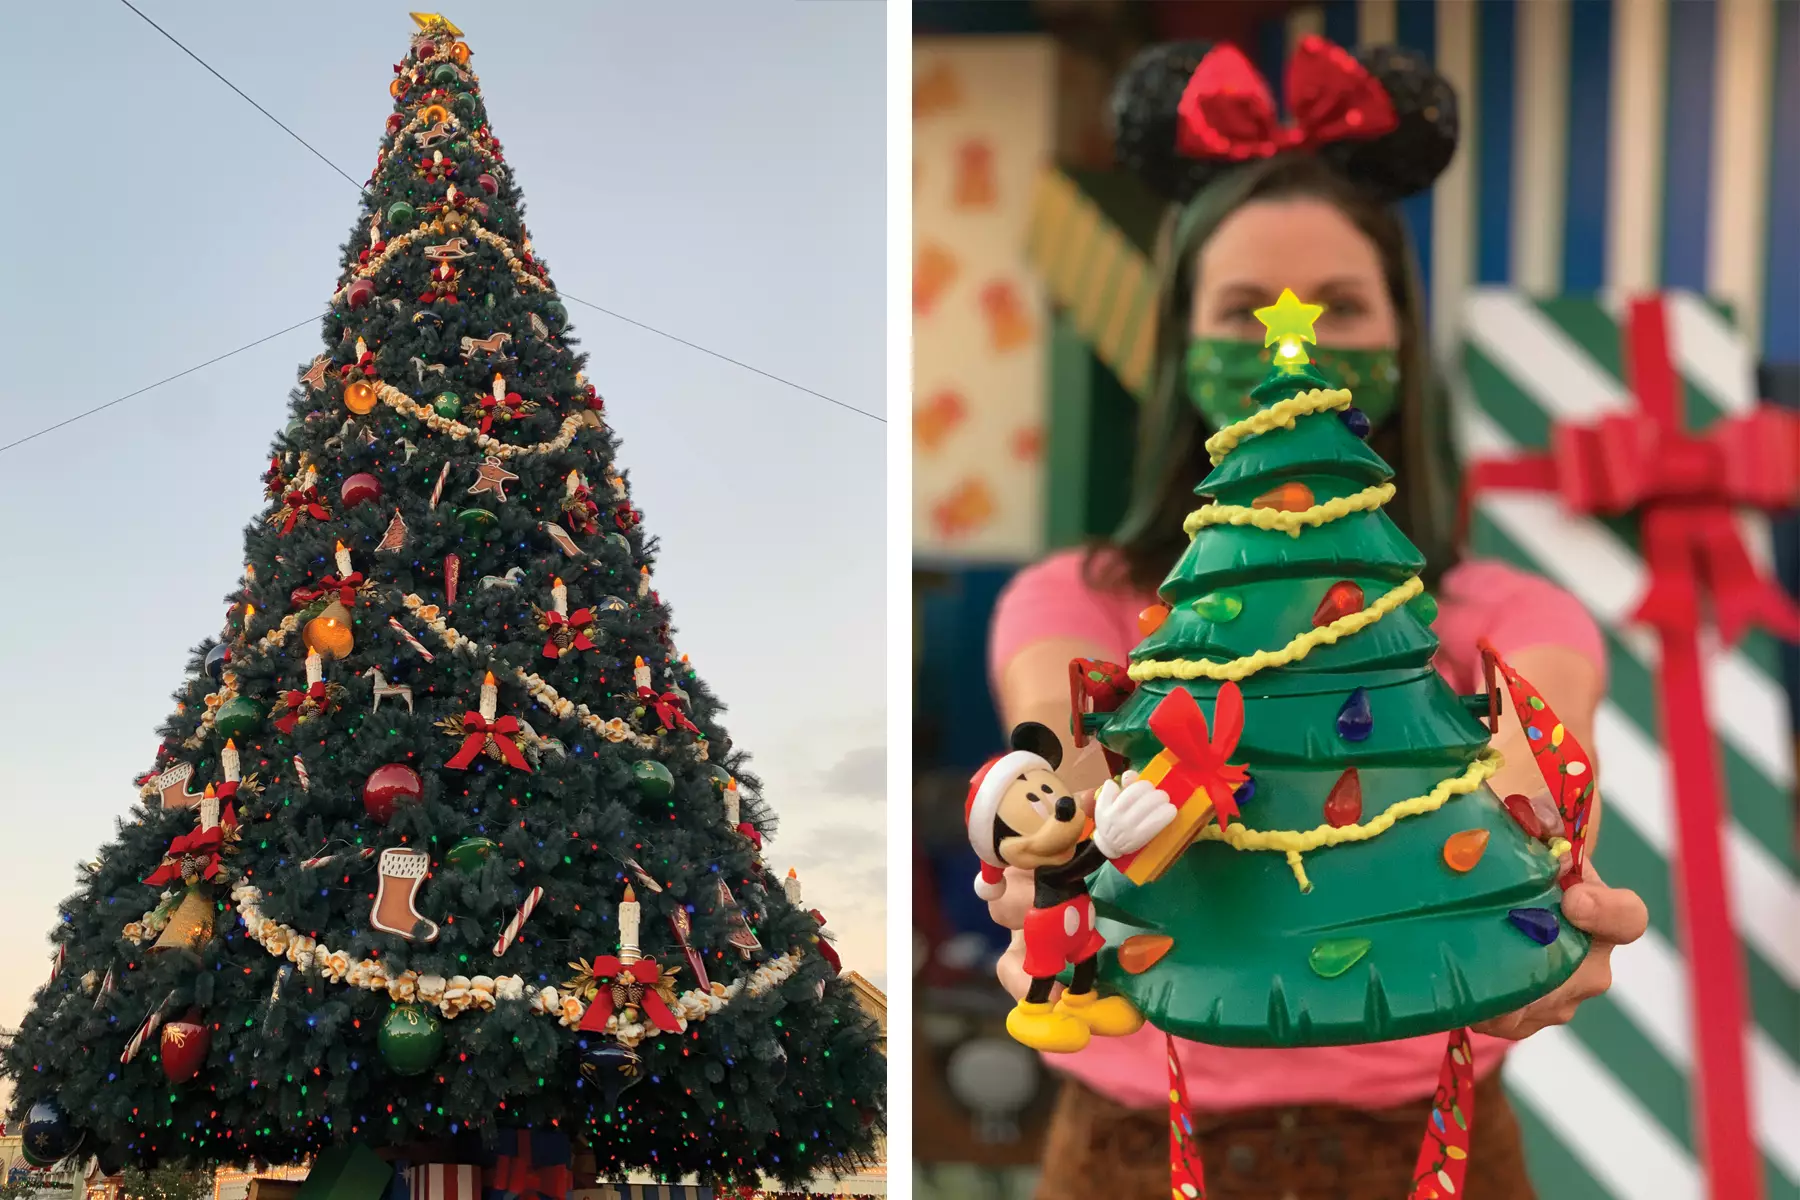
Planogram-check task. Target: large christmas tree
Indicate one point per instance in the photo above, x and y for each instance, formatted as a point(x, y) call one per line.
point(1369, 885)
point(443, 837)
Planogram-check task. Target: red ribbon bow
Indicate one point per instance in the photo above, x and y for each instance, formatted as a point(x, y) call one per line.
point(508, 409)
point(479, 730)
point(346, 589)
point(200, 843)
point(303, 500)
point(294, 700)
point(577, 622)
point(750, 834)
point(1200, 754)
point(644, 971)
point(1228, 112)
point(668, 709)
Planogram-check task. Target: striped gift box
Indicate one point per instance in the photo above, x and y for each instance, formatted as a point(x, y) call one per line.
point(444, 1181)
point(1626, 1065)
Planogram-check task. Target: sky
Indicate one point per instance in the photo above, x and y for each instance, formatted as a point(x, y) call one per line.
point(715, 170)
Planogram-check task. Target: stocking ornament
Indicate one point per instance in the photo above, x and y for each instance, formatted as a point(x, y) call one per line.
point(402, 871)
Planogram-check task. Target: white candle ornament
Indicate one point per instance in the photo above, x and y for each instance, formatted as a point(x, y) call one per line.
point(790, 887)
point(209, 809)
point(731, 805)
point(228, 761)
point(640, 674)
point(490, 697)
point(629, 912)
point(499, 387)
point(315, 668)
point(343, 560)
point(559, 595)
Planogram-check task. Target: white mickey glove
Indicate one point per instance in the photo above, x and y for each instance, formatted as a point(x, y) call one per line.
point(1126, 817)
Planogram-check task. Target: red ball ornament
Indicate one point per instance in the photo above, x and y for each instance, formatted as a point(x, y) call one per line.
point(394, 122)
point(359, 488)
point(359, 293)
point(183, 1048)
point(387, 787)
point(488, 184)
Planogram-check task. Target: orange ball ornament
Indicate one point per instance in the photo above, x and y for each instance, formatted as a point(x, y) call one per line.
point(434, 113)
point(359, 398)
point(329, 633)
point(459, 53)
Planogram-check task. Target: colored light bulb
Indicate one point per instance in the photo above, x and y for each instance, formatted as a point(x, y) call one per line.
point(1341, 599)
point(1218, 606)
point(1343, 806)
point(1152, 618)
point(1355, 420)
point(1424, 606)
point(1518, 807)
point(1354, 721)
point(1142, 951)
point(1287, 497)
point(1333, 956)
point(1464, 849)
point(1538, 924)
point(1245, 791)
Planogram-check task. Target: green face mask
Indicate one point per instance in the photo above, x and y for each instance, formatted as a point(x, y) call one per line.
point(1222, 371)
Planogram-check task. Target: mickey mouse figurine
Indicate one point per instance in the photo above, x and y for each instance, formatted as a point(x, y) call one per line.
point(1020, 814)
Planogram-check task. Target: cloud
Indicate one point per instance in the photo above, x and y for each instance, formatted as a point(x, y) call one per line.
point(862, 773)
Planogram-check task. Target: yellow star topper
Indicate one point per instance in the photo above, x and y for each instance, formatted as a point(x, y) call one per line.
point(435, 23)
point(1289, 322)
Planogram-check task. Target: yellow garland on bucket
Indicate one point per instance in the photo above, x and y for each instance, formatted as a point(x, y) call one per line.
point(1294, 843)
point(1280, 415)
point(1290, 523)
point(1302, 645)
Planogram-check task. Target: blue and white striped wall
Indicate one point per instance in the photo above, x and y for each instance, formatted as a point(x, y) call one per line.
point(1608, 144)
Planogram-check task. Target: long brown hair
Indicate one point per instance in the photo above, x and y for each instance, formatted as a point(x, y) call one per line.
point(1171, 460)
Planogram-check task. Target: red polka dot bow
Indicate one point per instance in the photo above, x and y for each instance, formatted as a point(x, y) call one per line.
point(1228, 111)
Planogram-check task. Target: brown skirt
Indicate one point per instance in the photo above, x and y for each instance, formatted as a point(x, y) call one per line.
point(1097, 1148)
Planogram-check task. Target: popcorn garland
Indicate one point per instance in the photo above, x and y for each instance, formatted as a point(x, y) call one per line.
point(613, 730)
point(394, 398)
point(520, 274)
point(460, 993)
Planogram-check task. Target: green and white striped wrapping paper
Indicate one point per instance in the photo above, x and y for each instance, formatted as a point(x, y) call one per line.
point(1607, 1101)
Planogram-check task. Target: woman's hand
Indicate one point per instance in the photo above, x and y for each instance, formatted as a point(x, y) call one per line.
point(1611, 917)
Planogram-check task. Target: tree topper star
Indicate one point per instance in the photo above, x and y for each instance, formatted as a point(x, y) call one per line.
point(494, 478)
point(434, 23)
point(1289, 322)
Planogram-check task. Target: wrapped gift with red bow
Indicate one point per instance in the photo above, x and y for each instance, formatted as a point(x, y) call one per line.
point(1618, 447)
point(531, 1165)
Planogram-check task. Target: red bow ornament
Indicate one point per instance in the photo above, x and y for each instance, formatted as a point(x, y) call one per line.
point(668, 708)
point(567, 633)
point(299, 502)
point(1191, 768)
point(620, 986)
point(1683, 488)
point(274, 482)
point(1228, 112)
point(346, 589)
point(192, 858)
point(297, 705)
point(826, 950)
point(444, 279)
point(496, 737)
point(504, 408)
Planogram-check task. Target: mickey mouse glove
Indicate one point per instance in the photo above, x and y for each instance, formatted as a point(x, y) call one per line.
point(1127, 817)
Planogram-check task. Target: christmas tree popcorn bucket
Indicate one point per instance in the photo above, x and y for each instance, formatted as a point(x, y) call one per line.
point(1336, 869)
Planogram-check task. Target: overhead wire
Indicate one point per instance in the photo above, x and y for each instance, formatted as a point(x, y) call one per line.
point(314, 150)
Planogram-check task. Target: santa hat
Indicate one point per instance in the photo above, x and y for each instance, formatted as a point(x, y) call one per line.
point(986, 788)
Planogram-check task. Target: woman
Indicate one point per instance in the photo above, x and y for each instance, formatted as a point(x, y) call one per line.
point(1318, 217)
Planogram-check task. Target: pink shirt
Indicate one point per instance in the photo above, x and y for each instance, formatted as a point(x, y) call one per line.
point(1476, 599)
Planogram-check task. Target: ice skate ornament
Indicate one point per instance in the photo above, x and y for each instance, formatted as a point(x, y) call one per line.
point(1021, 814)
point(402, 873)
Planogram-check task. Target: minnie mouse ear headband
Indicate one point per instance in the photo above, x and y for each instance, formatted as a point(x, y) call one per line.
point(1185, 113)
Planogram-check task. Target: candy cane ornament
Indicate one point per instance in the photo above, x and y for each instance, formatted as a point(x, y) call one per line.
point(508, 935)
point(325, 860)
point(151, 1024)
point(412, 641)
point(301, 775)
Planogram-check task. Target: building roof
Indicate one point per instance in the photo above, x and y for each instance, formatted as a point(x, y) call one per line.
point(874, 1000)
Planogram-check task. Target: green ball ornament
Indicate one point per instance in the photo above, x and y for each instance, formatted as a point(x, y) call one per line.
point(399, 214)
point(557, 313)
point(477, 521)
point(653, 779)
point(460, 149)
point(619, 540)
point(238, 717)
point(410, 1040)
point(447, 405)
point(470, 853)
